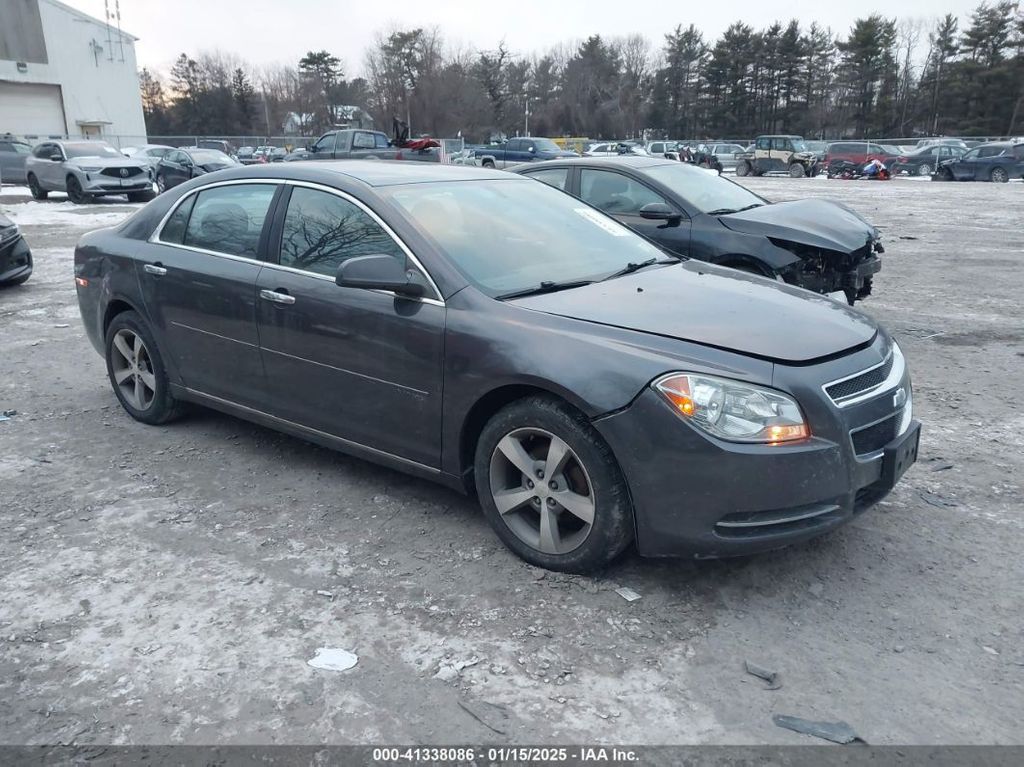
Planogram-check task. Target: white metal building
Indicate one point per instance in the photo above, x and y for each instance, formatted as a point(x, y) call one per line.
point(64, 73)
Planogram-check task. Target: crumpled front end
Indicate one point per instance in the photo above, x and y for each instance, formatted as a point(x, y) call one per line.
point(831, 271)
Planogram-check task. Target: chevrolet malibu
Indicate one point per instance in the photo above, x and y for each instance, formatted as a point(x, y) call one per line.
point(505, 339)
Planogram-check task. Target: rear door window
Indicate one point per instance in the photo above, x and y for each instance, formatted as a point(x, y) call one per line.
point(323, 230)
point(556, 177)
point(362, 141)
point(230, 219)
point(764, 143)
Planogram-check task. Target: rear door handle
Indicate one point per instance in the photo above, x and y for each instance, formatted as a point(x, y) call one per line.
point(156, 269)
point(277, 298)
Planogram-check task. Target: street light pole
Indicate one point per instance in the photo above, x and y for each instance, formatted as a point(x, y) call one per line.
point(526, 125)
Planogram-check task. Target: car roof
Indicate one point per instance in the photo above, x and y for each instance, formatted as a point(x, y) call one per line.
point(371, 172)
point(625, 160)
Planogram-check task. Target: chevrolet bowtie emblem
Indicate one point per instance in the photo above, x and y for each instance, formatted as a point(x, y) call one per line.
point(899, 398)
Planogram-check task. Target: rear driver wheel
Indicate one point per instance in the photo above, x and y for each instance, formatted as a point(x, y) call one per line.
point(136, 371)
point(551, 488)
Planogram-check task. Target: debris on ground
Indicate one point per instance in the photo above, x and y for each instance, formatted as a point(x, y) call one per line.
point(8, 415)
point(943, 467)
point(627, 593)
point(333, 659)
point(936, 500)
point(771, 677)
point(837, 732)
point(491, 716)
point(322, 593)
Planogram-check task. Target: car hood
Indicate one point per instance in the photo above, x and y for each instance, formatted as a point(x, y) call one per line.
point(5, 222)
point(105, 162)
point(719, 307)
point(817, 223)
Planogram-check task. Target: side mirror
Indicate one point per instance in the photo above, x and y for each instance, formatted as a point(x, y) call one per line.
point(57, 157)
point(659, 211)
point(378, 272)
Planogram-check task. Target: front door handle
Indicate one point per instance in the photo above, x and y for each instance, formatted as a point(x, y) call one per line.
point(156, 269)
point(277, 298)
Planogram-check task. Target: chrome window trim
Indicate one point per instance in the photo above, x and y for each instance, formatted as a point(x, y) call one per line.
point(154, 238)
point(899, 369)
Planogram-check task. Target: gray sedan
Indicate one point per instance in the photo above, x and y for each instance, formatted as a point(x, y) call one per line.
point(86, 169)
point(504, 339)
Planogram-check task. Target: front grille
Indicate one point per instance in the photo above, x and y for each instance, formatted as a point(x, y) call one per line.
point(116, 172)
point(874, 438)
point(859, 384)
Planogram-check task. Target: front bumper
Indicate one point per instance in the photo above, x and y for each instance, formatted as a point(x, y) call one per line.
point(94, 183)
point(697, 496)
point(15, 260)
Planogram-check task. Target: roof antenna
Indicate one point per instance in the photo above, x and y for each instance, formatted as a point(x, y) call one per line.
point(120, 35)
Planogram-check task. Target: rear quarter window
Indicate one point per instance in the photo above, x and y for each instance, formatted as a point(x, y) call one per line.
point(173, 232)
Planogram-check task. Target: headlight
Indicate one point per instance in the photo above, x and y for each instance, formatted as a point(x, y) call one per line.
point(732, 410)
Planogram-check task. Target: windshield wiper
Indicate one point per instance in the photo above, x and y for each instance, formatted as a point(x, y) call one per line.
point(727, 211)
point(548, 286)
point(635, 267)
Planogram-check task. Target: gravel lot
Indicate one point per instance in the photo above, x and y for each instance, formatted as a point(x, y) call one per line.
point(168, 585)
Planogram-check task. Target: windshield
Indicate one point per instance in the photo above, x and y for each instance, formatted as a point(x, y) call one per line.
point(20, 148)
point(798, 145)
point(546, 145)
point(539, 235)
point(705, 191)
point(90, 149)
point(207, 156)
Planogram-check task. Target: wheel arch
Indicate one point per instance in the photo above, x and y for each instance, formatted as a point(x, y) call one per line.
point(745, 260)
point(485, 407)
point(115, 306)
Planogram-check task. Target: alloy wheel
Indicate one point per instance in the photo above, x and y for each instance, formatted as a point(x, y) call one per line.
point(75, 193)
point(924, 169)
point(1000, 176)
point(161, 183)
point(542, 490)
point(132, 368)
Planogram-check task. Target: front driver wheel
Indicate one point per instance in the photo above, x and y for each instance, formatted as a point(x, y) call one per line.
point(75, 193)
point(551, 488)
point(796, 170)
point(136, 371)
point(38, 193)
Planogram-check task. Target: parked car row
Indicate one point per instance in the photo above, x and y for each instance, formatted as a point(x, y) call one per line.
point(594, 389)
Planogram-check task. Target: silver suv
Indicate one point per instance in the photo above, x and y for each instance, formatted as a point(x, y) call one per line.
point(86, 169)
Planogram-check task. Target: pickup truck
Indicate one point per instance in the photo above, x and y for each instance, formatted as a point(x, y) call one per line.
point(516, 151)
point(352, 144)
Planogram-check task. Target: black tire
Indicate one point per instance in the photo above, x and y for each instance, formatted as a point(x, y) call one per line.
point(75, 193)
point(742, 169)
point(161, 183)
point(144, 196)
point(924, 169)
point(163, 407)
point(38, 193)
point(488, 163)
point(999, 175)
point(942, 174)
point(796, 170)
point(611, 529)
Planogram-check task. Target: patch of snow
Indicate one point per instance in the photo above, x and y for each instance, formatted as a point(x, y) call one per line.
point(15, 191)
point(66, 214)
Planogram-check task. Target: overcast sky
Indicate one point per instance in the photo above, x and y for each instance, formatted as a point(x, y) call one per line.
point(270, 31)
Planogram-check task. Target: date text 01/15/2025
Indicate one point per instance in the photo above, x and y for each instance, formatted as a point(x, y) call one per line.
point(500, 754)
